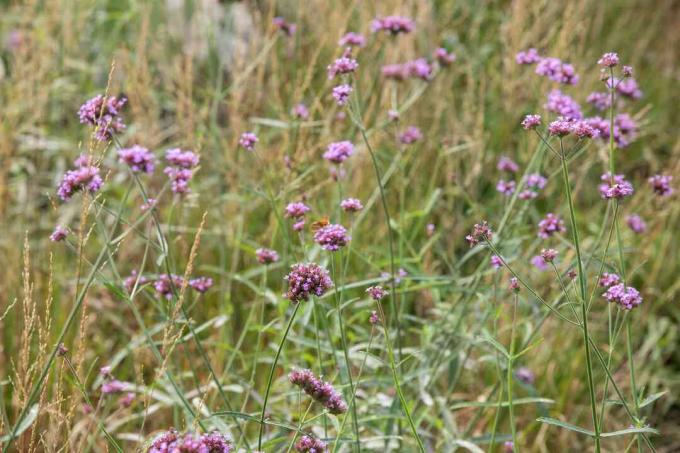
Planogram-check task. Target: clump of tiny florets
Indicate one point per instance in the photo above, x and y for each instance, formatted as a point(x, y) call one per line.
point(332, 237)
point(180, 171)
point(393, 24)
point(626, 297)
point(529, 56)
point(550, 225)
point(266, 256)
point(308, 444)
point(84, 177)
point(609, 60)
point(341, 94)
point(320, 391)
point(531, 122)
point(376, 292)
point(104, 114)
point(338, 152)
point(480, 232)
point(615, 186)
point(661, 185)
point(351, 205)
point(248, 141)
point(173, 442)
point(411, 135)
point(138, 158)
point(59, 234)
point(305, 280)
point(636, 224)
point(507, 164)
point(296, 210)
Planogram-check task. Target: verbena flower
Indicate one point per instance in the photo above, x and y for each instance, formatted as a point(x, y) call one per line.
point(296, 210)
point(305, 280)
point(525, 375)
point(507, 188)
point(599, 100)
point(514, 284)
point(418, 68)
point(286, 28)
point(563, 105)
point(430, 229)
point(560, 127)
point(507, 164)
point(661, 185)
point(636, 224)
point(201, 284)
point(59, 234)
point(549, 255)
point(609, 279)
point(618, 189)
point(393, 24)
point(626, 297)
point(531, 122)
point(300, 111)
point(629, 88)
point(84, 177)
point(351, 205)
point(609, 60)
point(343, 65)
point(180, 170)
point(583, 129)
point(480, 232)
point(338, 152)
point(138, 158)
point(374, 318)
point(308, 444)
point(248, 141)
point(410, 135)
point(341, 94)
point(299, 225)
point(627, 71)
point(266, 256)
point(173, 442)
point(332, 237)
point(529, 56)
point(527, 194)
point(536, 180)
point(444, 57)
point(129, 281)
point(556, 70)
point(352, 39)
point(496, 261)
point(165, 283)
point(127, 399)
point(104, 114)
point(539, 263)
point(320, 391)
point(376, 292)
point(550, 225)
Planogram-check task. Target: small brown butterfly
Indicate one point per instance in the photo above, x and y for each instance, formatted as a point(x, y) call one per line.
point(317, 225)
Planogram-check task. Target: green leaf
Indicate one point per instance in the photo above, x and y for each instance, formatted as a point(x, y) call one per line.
point(565, 425)
point(515, 402)
point(25, 424)
point(525, 350)
point(651, 398)
point(623, 432)
point(496, 345)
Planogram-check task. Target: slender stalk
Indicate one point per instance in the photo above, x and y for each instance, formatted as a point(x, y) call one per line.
point(584, 311)
point(271, 374)
point(511, 409)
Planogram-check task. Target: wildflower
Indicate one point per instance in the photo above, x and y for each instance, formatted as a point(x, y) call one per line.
point(550, 225)
point(527, 194)
point(507, 164)
point(104, 114)
point(138, 158)
point(332, 237)
point(351, 205)
point(299, 226)
point(572, 274)
point(201, 284)
point(338, 152)
point(536, 180)
point(374, 319)
point(556, 70)
point(341, 94)
point(549, 255)
point(480, 232)
point(173, 442)
point(393, 24)
point(127, 399)
point(132, 279)
point(395, 71)
point(180, 169)
point(563, 105)
point(300, 111)
point(266, 256)
point(560, 127)
point(508, 446)
point(307, 279)
point(419, 68)
point(84, 177)
point(393, 115)
point(661, 185)
point(529, 56)
point(531, 122)
point(352, 39)
point(609, 279)
point(296, 210)
point(376, 292)
point(525, 375)
point(342, 65)
point(59, 234)
point(615, 186)
point(626, 297)
point(496, 262)
point(286, 28)
point(514, 284)
point(165, 283)
point(609, 60)
point(539, 263)
point(248, 140)
point(113, 386)
point(627, 71)
point(636, 224)
point(507, 188)
point(583, 129)
point(629, 88)
point(411, 135)
point(444, 57)
point(320, 391)
point(429, 229)
point(62, 350)
point(599, 100)
point(625, 128)
point(150, 203)
point(308, 444)
point(105, 371)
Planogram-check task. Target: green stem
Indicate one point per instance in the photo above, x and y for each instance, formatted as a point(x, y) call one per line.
point(511, 409)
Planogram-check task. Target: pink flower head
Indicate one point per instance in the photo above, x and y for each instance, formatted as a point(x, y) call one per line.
point(341, 94)
point(514, 284)
point(444, 57)
point(583, 129)
point(507, 164)
point(636, 224)
point(560, 127)
point(496, 262)
point(332, 237)
point(507, 188)
point(174, 442)
point(549, 255)
point(114, 386)
point(556, 70)
point(338, 152)
point(376, 292)
point(248, 141)
point(266, 256)
point(104, 114)
point(165, 283)
point(352, 39)
point(305, 280)
point(396, 71)
point(320, 391)
point(661, 185)
point(138, 158)
point(410, 135)
point(393, 24)
point(626, 297)
point(627, 71)
point(615, 186)
point(563, 105)
point(539, 263)
point(599, 100)
point(134, 279)
point(83, 178)
point(296, 210)
point(525, 375)
point(201, 284)
point(374, 318)
point(609, 60)
point(180, 170)
point(351, 205)
point(480, 232)
point(59, 234)
point(308, 444)
point(181, 159)
point(300, 111)
point(127, 399)
point(342, 65)
point(529, 56)
point(629, 88)
point(531, 122)
point(609, 279)
point(286, 28)
point(550, 225)
point(536, 180)
point(419, 68)
point(527, 194)
point(299, 225)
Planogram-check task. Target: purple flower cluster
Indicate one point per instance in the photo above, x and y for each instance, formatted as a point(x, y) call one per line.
point(174, 442)
point(410, 135)
point(609, 279)
point(129, 282)
point(352, 39)
point(629, 88)
point(343, 65)
point(393, 24)
point(341, 94)
point(529, 56)
point(351, 205)
point(661, 185)
point(104, 114)
point(609, 60)
point(525, 375)
point(539, 263)
point(550, 225)
point(248, 141)
point(480, 232)
point(338, 152)
point(376, 292)
point(418, 68)
point(296, 210)
point(287, 28)
point(507, 164)
point(514, 284)
point(564, 105)
point(300, 111)
point(164, 284)
point(201, 284)
point(549, 255)
point(320, 391)
point(496, 261)
point(59, 234)
point(266, 256)
point(507, 188)
point(374, 318)
point(599, 100)
point(332, 237)
point(626, 297)
point(444, 57)
point(531, 122)
point(307, 279)
point(533, 183)
point(625, 128)
point(308, 444)
point(138, 158)
point(636, 224)
point(556, 70)
point(180, 171)
point(84, 177)
point(615, 187)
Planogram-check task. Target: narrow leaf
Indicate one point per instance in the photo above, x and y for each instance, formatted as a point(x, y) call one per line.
point(25, 424)
point(623, 432)
point(565, 425)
